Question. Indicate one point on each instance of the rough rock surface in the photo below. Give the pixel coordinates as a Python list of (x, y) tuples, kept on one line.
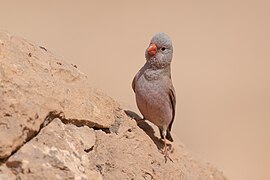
[(54, 126), (35, 85)]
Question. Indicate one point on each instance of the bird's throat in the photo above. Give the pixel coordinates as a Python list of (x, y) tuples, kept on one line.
[(155, 63)]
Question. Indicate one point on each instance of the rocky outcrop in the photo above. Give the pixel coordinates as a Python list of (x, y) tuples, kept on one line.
[(53, 125)]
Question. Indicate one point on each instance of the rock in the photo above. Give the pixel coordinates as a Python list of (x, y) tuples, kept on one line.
[(35, 85), (54, 126), (58, 151)]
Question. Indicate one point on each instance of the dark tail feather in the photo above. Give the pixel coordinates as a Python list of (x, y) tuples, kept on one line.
[(168, 136)]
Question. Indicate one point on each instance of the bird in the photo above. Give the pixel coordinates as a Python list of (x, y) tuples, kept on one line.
[(154, 92)]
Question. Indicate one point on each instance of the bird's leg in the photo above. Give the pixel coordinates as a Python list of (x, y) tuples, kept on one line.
[(165, 151)]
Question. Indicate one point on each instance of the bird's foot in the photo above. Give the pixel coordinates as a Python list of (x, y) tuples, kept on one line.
[(166, 155)]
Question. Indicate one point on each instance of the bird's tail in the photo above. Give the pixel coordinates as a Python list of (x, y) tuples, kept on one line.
[(168, 135)]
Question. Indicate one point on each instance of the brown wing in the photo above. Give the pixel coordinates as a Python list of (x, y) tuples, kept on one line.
[(173, 102), (133, 83)]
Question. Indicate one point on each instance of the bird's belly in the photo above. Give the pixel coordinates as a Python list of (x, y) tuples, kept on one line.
[(154, 104)]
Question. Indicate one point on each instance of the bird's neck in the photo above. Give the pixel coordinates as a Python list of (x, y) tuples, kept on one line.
[(157, 65), (153, 72)]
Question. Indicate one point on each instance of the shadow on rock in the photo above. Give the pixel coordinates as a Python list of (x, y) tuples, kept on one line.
[(145, 127)]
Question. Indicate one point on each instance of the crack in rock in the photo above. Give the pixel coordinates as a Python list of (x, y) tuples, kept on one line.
[(79, 123)]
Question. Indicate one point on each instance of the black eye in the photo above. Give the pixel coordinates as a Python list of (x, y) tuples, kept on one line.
[(163, 49)]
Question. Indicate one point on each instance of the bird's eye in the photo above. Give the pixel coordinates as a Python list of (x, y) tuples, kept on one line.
[(163, 49)]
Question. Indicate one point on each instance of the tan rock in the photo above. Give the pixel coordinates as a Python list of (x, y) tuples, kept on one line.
[(59, 151), (57, 127), (70, 152), (33, 84), (135, 153)]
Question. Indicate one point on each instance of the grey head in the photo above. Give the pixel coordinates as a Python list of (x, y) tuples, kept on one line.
[(160, 51)]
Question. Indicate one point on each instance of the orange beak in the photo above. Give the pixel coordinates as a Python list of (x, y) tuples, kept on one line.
[(152, 49)]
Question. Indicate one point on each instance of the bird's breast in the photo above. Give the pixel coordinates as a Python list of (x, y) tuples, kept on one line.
[(153, 100)]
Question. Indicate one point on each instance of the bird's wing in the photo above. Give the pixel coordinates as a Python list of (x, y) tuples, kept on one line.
[(173, 102), (134, 83), (137, 76)]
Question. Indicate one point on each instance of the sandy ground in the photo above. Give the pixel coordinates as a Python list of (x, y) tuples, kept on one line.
[(220, 66)]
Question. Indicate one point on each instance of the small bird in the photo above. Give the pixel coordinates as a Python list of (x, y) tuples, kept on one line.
[(153, 87)]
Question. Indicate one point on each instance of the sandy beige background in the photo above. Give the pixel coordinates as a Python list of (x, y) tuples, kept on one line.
[(221, 65)]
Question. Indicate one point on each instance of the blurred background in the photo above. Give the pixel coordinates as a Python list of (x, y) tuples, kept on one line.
[(221, 64)]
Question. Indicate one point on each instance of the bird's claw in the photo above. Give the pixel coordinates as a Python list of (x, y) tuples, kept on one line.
[(166, 156)]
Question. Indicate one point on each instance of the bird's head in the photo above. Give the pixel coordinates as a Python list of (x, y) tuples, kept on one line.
[(160, 51)]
